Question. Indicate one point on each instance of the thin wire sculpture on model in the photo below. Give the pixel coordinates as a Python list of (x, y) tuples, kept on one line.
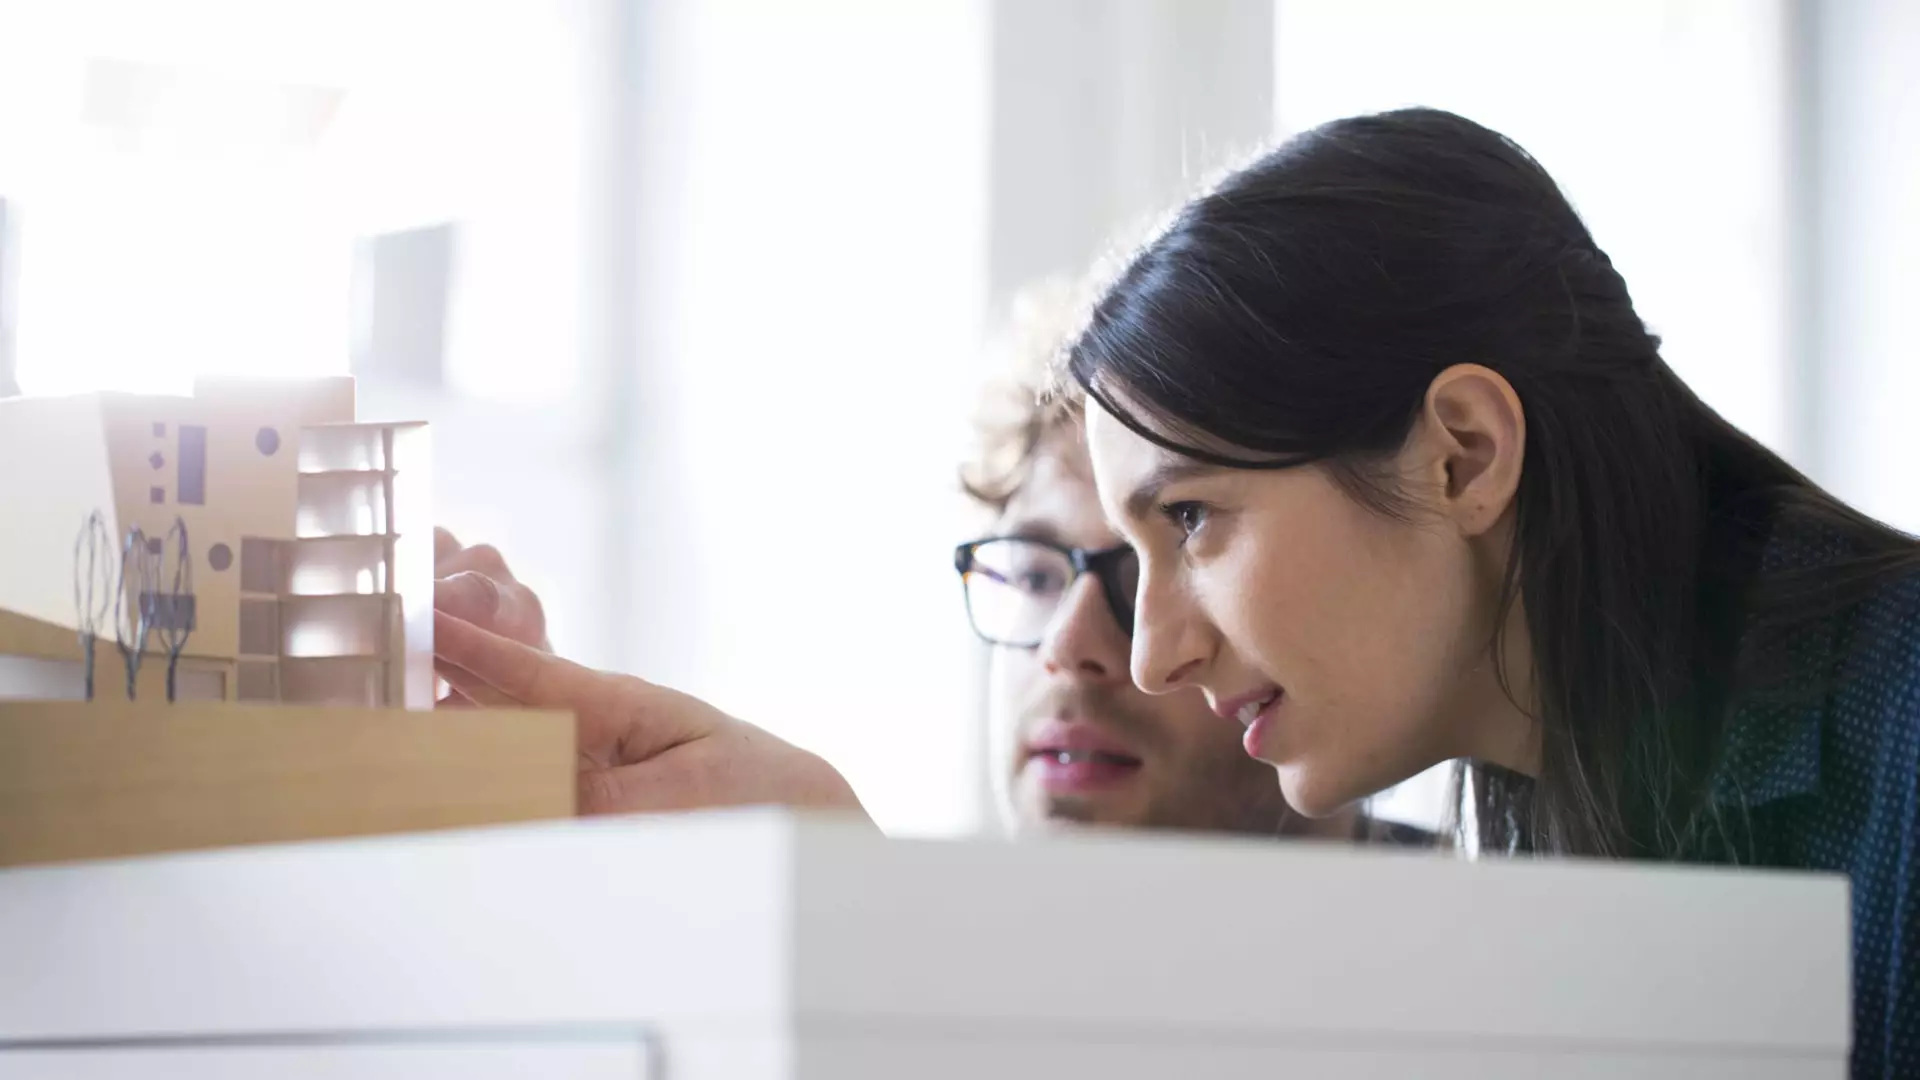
[(173, 610), (95, 576), (139, 566)]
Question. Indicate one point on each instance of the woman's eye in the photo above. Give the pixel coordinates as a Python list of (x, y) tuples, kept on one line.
[(1185, 516)]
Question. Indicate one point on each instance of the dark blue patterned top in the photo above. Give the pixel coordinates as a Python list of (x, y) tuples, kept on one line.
[(1826, 776)]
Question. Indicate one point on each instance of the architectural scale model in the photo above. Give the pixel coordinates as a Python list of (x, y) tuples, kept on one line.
[(252, 541), (216, 628)]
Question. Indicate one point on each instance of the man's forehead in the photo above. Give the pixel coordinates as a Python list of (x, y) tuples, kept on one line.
[(1058, 500)]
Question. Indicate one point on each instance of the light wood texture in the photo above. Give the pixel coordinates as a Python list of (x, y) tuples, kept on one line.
[(24, 635), (90, 780)]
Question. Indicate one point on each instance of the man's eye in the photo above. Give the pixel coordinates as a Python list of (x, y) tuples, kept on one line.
[(1185, 516), (1039, 582)]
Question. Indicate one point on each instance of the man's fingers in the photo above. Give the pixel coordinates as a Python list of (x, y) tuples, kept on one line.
[(612, 716), (474, 583), (735, 766), (469, 690), (472, 597), (446, 697), (621, 719), (647, 787), (508, 609), (480, 558), (522, 673)]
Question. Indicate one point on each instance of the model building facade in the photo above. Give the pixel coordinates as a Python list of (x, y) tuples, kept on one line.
[(306, 537)]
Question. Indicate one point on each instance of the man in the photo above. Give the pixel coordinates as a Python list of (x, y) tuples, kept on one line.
[(1072, 740)]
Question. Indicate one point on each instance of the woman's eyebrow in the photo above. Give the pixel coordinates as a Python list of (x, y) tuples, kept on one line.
[(1140, 502)]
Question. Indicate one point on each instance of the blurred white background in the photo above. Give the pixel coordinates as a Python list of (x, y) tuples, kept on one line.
[(694, 291)]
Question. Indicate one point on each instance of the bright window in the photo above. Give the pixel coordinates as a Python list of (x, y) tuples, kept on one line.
[(1663, 120)]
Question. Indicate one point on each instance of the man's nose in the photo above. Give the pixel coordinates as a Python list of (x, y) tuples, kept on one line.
[(1083, 640)]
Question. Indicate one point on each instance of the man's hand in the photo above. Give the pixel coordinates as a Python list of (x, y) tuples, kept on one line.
[(642, 747), (474, 584)]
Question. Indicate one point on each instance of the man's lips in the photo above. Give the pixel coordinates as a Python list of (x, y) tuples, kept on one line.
[(1076, 757)]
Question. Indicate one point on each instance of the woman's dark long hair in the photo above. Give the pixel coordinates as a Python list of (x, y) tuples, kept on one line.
[(1297, 313)]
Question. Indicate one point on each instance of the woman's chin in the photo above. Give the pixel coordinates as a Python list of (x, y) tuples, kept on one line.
[(1311, 793)]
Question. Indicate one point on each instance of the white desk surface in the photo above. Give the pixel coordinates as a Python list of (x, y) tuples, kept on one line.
[(782, 936)]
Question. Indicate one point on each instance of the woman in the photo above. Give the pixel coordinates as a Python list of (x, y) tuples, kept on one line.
[(1410, 482)]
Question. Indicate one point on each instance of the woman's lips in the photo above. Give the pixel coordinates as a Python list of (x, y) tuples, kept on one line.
[(1253, 711), (1260, 726)]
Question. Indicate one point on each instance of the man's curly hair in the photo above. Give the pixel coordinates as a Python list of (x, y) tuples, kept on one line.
[(1026, 401)]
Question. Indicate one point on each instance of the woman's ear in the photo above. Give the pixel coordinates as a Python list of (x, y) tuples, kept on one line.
[(1475, 431)]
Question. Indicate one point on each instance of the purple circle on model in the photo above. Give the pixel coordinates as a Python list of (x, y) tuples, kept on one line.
[(220, 556), (268, 441)]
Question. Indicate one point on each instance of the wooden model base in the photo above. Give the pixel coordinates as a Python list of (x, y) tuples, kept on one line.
[(87, 780)]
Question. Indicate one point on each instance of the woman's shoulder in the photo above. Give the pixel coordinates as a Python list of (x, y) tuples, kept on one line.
[(1881, 643), (1870, 732), (1841, 609), (1830, 686)]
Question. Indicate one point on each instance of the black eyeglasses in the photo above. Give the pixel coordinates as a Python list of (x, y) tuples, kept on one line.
[(1014, 584)]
